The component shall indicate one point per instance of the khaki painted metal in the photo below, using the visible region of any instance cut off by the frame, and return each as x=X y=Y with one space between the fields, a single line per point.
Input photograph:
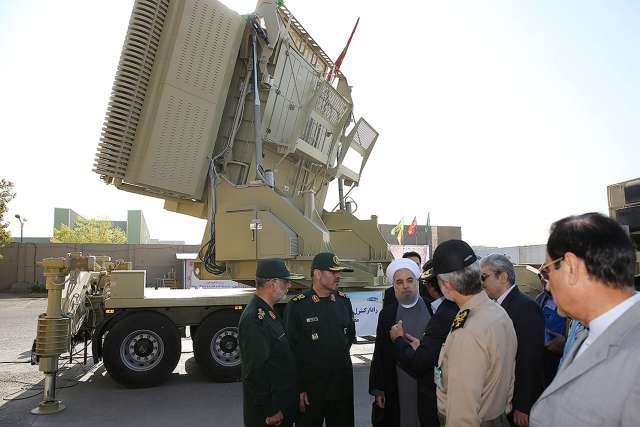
x=127 y=289
x=53 y=334
x=126 y=284
x=171 y=85
x=617 y=200
x=528 y=280
x=188 y=99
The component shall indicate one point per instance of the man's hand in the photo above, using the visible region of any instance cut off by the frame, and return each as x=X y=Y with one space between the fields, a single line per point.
x=380 y=401
x=520 y=418
x=274 y=420
x=556 y=345
x=415 y=342
x=304 y=402
x=396 y=331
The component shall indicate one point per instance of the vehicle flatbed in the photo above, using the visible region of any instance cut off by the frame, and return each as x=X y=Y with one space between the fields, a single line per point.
x=166 y=297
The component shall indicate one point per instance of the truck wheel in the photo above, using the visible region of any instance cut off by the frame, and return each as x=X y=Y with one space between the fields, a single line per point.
x=142 y=349
x=216 y=346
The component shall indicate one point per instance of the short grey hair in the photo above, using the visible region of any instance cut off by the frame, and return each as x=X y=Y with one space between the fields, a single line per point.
x=465 y=281
x=500 y=264
x=261 y=281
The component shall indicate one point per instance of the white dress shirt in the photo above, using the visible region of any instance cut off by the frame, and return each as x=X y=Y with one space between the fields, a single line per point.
x=598 y=325
x=436 y=303
x=503 y=296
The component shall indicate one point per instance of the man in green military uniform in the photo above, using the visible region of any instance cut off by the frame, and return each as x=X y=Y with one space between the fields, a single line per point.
x=268 y=365
x=321 y=330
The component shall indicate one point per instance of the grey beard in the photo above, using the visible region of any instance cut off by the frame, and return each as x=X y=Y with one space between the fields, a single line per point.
x=408 y=301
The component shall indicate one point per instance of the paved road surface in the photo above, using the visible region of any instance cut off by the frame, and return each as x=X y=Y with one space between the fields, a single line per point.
x=93 y=399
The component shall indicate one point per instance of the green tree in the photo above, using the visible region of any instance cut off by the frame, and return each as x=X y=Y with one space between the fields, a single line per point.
x=89 y=231
x=6 y=195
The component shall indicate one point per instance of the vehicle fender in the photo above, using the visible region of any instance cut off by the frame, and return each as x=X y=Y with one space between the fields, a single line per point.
x=102 y=327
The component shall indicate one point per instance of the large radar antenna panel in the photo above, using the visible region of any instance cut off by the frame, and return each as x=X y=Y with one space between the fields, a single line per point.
x=168 y=97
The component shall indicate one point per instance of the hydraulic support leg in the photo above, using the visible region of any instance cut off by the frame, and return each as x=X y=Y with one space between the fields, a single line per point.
x=53 y=334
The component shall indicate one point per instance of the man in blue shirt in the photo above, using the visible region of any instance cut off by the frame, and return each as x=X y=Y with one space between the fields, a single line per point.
x=555 y=333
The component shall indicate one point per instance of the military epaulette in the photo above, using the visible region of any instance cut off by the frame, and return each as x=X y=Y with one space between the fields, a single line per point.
x=298 y=297
x=261 y=313
x=460 y=319
x=342 y=294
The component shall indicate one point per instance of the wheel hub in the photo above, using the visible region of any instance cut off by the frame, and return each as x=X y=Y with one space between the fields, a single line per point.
x=225 y=347
x=144 y=347
x=142 y=350
x=228 y=344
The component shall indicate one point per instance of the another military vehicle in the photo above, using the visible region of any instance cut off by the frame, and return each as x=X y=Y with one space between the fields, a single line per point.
x=624 y=207
x=240 y=120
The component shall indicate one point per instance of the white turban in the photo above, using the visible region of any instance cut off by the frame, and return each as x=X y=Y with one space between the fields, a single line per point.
x=402 y=263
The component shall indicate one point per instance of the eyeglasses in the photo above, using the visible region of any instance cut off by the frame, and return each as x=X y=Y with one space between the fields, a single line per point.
x=543 y=271
x=484 y=277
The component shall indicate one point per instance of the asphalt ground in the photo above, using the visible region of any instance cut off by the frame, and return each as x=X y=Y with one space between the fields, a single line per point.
x=92 y=398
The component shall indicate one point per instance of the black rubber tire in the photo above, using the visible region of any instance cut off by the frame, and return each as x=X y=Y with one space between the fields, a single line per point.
x=143 y=331
x=221 y=326
x=193 y=332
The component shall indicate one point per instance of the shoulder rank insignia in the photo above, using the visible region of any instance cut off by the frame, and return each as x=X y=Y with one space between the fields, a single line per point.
x=315 y=298
x=342 y=294
x=332 y=297
x=460 y=319
x=272 y=314
x=260 y=313
x=298 y=297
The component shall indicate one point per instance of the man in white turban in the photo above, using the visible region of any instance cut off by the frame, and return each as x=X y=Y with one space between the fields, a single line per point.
x=395 y=391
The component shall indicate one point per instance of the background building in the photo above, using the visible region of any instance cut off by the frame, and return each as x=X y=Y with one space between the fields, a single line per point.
x=528 y=254
x=425 y=236
x=135 y=227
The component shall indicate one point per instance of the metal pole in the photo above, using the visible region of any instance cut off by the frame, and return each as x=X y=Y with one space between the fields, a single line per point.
x=257 y=114
x=341 y=194
x=49 y=394
x=35 y=255
x=18 y=264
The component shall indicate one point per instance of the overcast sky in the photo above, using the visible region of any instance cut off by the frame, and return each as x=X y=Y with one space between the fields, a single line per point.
x=498 y=116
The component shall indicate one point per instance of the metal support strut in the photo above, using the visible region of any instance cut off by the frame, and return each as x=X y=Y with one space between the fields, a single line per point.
x=53 y=334
x=257 y=113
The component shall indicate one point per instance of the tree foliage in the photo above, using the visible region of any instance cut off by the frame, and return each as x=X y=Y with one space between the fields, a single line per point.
x=89 y=231
x=6 y=195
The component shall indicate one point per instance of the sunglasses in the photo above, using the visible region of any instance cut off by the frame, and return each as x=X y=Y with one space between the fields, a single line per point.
x=484 y=277
x=543 y=271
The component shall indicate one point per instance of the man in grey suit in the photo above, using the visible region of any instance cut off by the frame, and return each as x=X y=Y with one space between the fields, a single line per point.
x=590 y=266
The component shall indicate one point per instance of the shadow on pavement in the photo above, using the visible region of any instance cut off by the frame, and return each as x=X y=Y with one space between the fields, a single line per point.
x=188 y=398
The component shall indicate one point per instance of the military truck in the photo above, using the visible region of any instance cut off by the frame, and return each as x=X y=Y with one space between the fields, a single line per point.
x=240 y=120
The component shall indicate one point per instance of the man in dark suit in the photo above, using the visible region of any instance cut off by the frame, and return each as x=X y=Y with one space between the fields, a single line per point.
x=498 y=279
x=418 y=357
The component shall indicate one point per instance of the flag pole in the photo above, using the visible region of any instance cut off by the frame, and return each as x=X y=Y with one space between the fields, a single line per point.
x=336 y=68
